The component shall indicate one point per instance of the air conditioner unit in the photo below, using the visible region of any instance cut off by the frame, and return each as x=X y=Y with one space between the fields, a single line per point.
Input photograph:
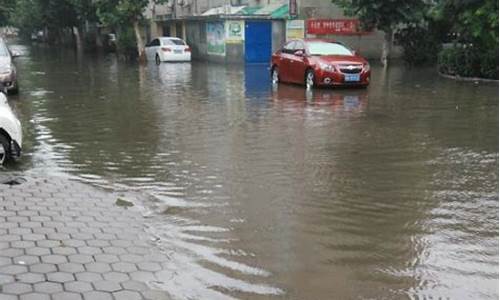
x=170 y=4
x=187 y=3
x=180 y=2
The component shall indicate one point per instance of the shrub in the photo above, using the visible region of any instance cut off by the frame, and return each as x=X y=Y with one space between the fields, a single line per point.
x=468 y=61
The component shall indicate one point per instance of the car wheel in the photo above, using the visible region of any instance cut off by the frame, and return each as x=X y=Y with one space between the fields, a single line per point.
x=15 y=90
x=310 y=78
x=275 y=77
x=4 y=149
x=157 y=59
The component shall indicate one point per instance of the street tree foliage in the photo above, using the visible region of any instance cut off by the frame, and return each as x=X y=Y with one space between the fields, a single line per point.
x=385 y=15
x=58 y=17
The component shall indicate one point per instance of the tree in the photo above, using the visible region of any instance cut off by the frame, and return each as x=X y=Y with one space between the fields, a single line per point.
x=123 y=12
x=384 y=15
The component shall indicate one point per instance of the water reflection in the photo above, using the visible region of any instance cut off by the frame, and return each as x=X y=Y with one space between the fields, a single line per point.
x=259 y=191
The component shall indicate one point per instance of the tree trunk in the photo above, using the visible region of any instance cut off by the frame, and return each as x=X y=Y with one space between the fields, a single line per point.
x=387 y=47
x=78 y=39
x=140 y=43
x=98 y=37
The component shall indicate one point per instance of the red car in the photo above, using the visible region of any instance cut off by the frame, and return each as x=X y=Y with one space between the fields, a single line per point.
x=316 y=62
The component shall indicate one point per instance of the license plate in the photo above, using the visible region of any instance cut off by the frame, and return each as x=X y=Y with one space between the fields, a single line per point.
x=178 y=51
x=351 y=77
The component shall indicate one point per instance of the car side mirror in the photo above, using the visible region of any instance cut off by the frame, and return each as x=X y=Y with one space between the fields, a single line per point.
x=299 y=53
x=15 y=54
x=354 y=52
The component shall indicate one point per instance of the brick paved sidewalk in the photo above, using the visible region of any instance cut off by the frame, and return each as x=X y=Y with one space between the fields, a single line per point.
x=64 y=240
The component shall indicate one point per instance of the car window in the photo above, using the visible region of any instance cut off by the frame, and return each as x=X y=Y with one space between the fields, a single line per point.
x=325 y=48
x=299 y=46
x=171 y=42
x=155 y=42
x=289 y=48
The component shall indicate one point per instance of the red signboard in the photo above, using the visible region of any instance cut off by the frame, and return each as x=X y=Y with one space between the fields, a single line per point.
x=333 y=26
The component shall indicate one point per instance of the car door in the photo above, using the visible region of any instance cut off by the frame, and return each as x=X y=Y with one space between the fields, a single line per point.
x=298 y=63
x=151 y=49
x=284 y=61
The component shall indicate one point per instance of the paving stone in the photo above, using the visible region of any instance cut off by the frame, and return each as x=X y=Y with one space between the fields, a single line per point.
x=26 y=260
x=64 y=250
x=22 y=244
x=98 y=267
x=12 y=252
x=43 y=268
x=127 y=295
x=38 y=251
x=48 y=287
x=155 y=295
x=73 y=243
x=60 y=277
x=149 y=266
x=66 y=296
x=13 y=269
x=124 y=267
x=54 y=259
x=4 y=278
x=114 y=250
x=106 y=258
x=98 y=243
x=8 y=297
x=33 y=237
x=95 y=295
x=34 y=296
x=143 y=276
x=133 y=258
x=48 y=243
x=16 y=288
x=71 y=267
x=116 y=276
x=5 y=261
x=107 y=286
x=89 y=250
x=88 y=276
x=30 y=278
x=81 y=258
x=78 y=286
x=134 y=286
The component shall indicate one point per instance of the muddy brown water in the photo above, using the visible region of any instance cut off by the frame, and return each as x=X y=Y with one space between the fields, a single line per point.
x=264 y=192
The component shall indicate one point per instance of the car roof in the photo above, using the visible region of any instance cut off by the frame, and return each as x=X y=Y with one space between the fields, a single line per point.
x=169 y=38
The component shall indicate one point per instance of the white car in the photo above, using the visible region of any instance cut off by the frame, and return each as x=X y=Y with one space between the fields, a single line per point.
x=11 y=135
x=168 y=49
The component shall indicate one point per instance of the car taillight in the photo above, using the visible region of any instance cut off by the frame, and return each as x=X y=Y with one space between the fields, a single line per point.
x=166 y=49
x=188 y=49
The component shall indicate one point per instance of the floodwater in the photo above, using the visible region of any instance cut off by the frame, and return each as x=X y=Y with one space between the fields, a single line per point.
x=262 y=192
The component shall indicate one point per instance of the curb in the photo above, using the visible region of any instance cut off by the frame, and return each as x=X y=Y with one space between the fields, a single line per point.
x=468 y=79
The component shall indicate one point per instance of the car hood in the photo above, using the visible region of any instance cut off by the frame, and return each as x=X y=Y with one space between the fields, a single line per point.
x=5 y=61
x=341 y=59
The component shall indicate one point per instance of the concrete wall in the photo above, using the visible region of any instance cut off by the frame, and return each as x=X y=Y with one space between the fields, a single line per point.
x=369 y=45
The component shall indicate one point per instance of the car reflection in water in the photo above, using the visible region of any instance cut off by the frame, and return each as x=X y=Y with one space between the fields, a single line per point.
x=350 y=100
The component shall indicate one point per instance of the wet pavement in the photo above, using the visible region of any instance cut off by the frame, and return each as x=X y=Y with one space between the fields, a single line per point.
x=263 y=192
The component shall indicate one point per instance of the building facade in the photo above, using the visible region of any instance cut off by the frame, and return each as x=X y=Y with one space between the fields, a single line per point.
x=248 y=31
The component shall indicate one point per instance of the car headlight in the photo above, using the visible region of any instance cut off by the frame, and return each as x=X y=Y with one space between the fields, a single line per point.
x=366 y=67
x=326 y=67
x=5 y=70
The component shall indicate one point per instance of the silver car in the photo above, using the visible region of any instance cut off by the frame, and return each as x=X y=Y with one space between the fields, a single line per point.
x=11 y=135
x=8 y=75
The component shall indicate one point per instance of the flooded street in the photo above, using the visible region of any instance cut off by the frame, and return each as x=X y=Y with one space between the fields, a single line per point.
x=263 y=192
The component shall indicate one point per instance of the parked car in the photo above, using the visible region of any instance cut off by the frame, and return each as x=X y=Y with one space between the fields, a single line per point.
x=316 y=62
x=11 y=135
x=8 y=75
x=168 y=49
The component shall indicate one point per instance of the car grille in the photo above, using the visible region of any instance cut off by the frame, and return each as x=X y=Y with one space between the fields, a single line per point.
x=351 y=69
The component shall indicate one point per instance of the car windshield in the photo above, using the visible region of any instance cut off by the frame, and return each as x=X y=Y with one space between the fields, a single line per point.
x=178 y=42
x=324 y=48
